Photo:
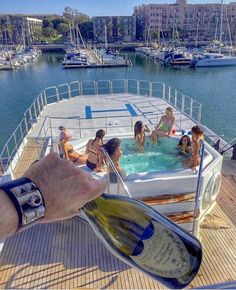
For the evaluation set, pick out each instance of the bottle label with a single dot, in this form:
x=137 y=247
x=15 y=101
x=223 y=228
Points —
x=164 y=254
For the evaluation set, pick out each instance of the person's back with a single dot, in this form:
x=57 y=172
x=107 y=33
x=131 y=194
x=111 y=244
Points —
x=68 y=150
x=93 y=150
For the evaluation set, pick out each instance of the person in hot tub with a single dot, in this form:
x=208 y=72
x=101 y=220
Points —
x=184 y=145
x=113 y=148
x=139 y=134
x=197 y=136
x=164 y=127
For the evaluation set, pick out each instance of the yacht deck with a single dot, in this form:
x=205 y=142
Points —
x=68 y=255
x=116 y=113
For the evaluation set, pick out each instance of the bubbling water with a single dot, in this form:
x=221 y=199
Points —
x=158 y=157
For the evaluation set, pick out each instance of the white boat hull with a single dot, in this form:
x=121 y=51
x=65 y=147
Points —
x=226 y=61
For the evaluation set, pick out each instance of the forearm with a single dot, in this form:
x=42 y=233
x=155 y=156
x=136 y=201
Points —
x=9 y=216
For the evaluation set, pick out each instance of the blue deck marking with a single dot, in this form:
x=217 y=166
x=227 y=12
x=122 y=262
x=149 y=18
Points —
x=112 y=110
x=89 y=111
x=131 y=110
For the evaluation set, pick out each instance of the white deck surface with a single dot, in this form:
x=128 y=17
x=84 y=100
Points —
x=148 y=109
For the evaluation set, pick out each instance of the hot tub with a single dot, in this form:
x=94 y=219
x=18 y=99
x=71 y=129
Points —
x=158 y=177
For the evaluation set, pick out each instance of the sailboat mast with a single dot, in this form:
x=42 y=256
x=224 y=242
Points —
x=221 y=22
x=216 y=30
x=105 y=36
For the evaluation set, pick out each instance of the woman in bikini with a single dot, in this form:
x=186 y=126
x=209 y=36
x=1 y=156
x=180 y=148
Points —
x=197 y=136
x=93 y=150
x=165 y=125
x=69 y=152
x=184 y=145
x=139 y=134
x=113 y=148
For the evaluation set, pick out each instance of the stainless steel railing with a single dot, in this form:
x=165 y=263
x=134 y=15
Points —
x=199 y=184
x=119 y=178
x=12 y=148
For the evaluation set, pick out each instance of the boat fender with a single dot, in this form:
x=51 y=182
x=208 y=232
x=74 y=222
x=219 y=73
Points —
x=216 y=185
x=212 y=188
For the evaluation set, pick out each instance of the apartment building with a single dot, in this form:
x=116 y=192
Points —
x=115 y=28
x=19 y=29
x=186 y=21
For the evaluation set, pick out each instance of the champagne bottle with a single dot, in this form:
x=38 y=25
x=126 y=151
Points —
x=145 y=239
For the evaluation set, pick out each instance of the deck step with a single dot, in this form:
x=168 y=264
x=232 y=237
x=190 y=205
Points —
x=183 y=217
x=169 y=198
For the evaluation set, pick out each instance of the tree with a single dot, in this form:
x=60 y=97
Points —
x=49 y=32
x=75 y=16
x=37 y=35
x=121 y=29
x=155 y=35
x=62 y=28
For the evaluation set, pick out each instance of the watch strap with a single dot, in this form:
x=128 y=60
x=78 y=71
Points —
x=27 y=199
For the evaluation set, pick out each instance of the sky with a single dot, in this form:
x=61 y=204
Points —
x=89 y=7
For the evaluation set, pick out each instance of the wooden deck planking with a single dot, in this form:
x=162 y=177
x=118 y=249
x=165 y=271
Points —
x=68 y=255
x=29 y=154
x=227 y=198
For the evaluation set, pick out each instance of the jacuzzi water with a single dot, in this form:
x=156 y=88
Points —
x=155 y=157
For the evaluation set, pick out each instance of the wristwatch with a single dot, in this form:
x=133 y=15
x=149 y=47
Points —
x=27 y=200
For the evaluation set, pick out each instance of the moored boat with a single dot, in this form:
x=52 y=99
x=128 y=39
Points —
x=213 y=60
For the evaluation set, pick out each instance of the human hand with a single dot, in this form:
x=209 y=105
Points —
x=65 y=187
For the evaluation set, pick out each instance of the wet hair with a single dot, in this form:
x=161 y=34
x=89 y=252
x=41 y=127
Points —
x=187 y=137
x=197 y=130
x=138 y=128
x=169 y=109
x=112 y=145
x=99 y=134
x=61 y=128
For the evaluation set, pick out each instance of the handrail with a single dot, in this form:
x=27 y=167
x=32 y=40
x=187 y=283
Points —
x=199 y=179
x=183 y=103
x=111 y=163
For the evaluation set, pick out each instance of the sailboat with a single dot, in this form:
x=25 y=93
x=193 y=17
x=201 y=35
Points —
x=75 y=56
x=215 y=59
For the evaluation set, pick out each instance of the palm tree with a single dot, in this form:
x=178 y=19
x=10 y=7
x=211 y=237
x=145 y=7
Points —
x=121 y=30
x=10 y=28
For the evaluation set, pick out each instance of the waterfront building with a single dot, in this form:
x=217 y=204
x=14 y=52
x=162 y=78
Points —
x=18 y=29
x=118 y=28
x=186 y=21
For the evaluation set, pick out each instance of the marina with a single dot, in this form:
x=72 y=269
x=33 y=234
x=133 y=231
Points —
x=118 y=145
x=115 y=105
x=94 y=58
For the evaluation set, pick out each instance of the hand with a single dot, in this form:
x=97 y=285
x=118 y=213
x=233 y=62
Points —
x=65 y=187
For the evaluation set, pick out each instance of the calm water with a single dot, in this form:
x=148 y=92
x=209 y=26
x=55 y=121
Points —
x=156 y=157
x=214 y=88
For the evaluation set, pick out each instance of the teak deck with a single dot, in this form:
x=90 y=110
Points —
x=68 y=255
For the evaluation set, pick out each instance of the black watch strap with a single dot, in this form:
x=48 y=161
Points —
x=27 y=200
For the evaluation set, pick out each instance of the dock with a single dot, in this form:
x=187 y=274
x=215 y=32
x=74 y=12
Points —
x=97 y=61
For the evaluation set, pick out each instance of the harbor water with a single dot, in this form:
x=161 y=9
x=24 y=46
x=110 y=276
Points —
x=215 y=88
